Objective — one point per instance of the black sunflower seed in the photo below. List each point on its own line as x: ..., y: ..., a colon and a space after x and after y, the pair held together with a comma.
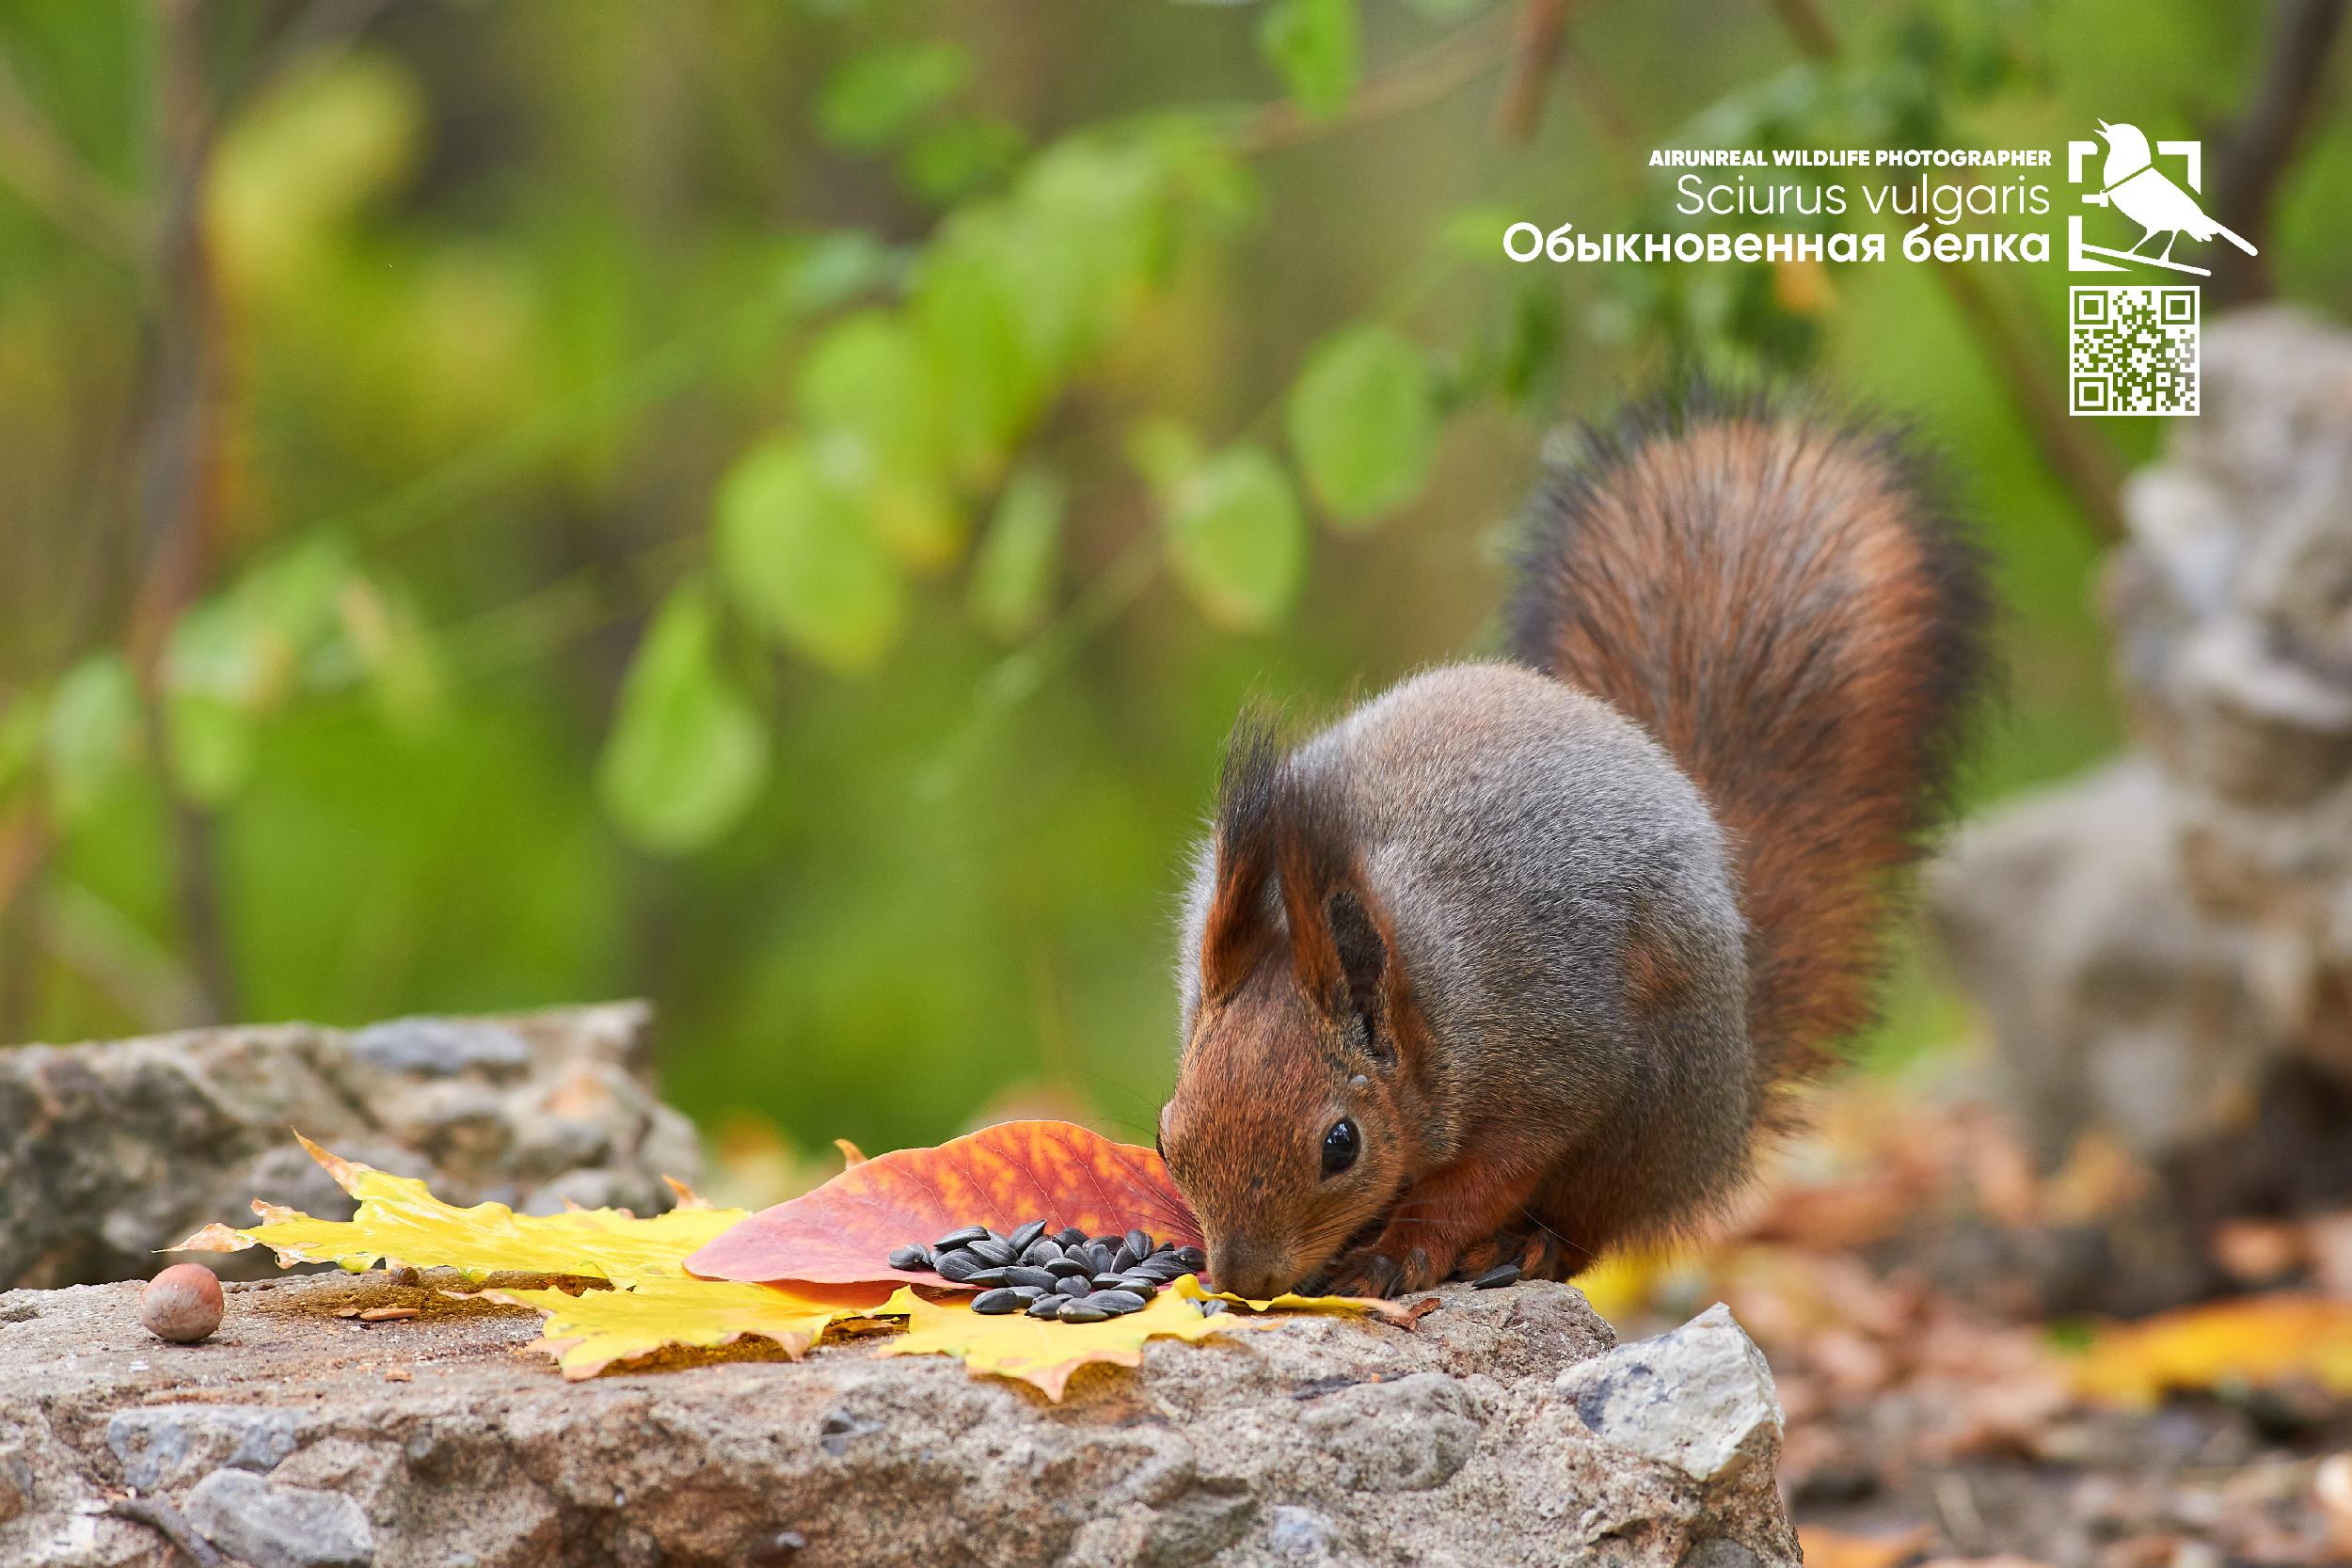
x: 1192, y: 1258
x: 1099, y: 1255
x: 1211, y: 1308
x: 1029, y: 1292
x: 1124, y: 1257
x: 1160, y: 1267
x: 911, y: 1258
x: 1139, y: 1242
x: 1076, y: 1312
x: 1117, y: 1301
x: 958, y: 1265
x: 1027, y: 1233
x: 1040, y: 1252
x: 1141, y: 1284
x: 1109, y: 1279
x: 995, y: 1249
x: 965, y: 1237
x: 1070, y: 1238
x: 1070, y: 1266
x: 999, y: 1303
x: 1496, y: 1278
x: 1022, y: 1274
x: 1046, y: 1306
x: 1075, y: 1286
x: 996, y: 1274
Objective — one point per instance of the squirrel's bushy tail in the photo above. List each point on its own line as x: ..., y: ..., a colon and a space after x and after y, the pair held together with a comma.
x: 1781, y: 603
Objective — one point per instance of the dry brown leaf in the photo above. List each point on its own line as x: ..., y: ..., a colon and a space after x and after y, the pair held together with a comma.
x: 1830, y: 1548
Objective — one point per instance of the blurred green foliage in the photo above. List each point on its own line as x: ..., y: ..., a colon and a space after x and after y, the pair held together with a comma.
x: 771, y: 505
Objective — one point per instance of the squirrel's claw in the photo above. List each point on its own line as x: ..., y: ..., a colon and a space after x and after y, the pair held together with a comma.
x: 1539, y: 1254
x: 1374, y: 1272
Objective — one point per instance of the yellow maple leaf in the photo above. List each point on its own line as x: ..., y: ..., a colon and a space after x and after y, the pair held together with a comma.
x: 2258, y: 1340
x: 656, y: 1305
x: 592, y: 1331
x: 1404, y: 1314
x: 1041, y: 1354
x: 399, y: 1221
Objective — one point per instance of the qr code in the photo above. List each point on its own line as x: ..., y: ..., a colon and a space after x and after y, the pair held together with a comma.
x: 2132, y: 351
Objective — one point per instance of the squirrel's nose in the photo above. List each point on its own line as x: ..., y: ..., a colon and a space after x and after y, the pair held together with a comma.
x: 1255, y: 1273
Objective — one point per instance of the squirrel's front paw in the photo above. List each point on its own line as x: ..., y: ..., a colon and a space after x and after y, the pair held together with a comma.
x: 1375, y: 1271
x: 1539, y: 1254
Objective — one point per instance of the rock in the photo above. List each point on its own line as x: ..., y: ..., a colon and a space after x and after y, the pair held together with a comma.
x: 120, y: 1147
x: 2165, y: 947
x: 2116, y: 1002
x: 1314, y: 1441
x: 2229, y: 837
x: 1699, y: 1399
x: 279, y: 1527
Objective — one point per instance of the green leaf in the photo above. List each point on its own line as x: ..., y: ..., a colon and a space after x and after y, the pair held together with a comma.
x: 1314, y: 44
x: 211, y: 742
x: 688, y: 754
x: 803, y: 564
x: 92, y: 736
x: 1364, y: 420
x: 833, y: 268
x: 1236, y: 539
x: 949, y: 162
x: 1012, y: 579
x: 867, y: 394
x: 878, y: 96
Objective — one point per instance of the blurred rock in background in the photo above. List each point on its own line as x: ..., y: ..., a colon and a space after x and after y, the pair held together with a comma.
x: 116, y: 1149
x: 2165, y: 948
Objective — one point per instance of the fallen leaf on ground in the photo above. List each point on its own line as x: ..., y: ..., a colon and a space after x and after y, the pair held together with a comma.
x: 1040, y: 1353
x: 595, y: 1329
x: 399, y: 1221
x: 2257, y: 1339
x: 1824, y: 1547
x: 1404, y: 1314
x: 1001, y: 1177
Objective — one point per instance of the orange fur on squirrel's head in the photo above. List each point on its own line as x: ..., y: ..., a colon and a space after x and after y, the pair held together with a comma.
x: 1292, y: 1129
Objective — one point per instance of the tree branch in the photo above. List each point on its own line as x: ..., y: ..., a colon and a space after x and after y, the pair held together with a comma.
x: 2251, y: 159
x: 181, y: 492
x: 1535, y: 50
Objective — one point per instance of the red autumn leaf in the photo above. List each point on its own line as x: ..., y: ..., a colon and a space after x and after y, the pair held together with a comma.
x: 1002, y: 1177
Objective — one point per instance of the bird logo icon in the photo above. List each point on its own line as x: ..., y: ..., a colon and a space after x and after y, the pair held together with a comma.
x: 2131, y: 182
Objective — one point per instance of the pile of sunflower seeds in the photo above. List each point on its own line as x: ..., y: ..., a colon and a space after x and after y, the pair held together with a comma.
x: 1065, y: 1274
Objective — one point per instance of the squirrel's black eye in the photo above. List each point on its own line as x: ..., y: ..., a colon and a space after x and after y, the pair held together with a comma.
x: 1339, y: 1147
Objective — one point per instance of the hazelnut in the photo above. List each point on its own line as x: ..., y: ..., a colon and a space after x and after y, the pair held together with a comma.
x: 181, y: 1303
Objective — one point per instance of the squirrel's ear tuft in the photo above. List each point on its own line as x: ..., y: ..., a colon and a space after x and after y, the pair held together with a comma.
x: 1236, y: 928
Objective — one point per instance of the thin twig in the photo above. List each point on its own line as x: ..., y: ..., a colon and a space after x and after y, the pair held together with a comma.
x: 2251, y: 159
x: 183, y: 493
x: 1535, y: 47
x: 1452, y: 62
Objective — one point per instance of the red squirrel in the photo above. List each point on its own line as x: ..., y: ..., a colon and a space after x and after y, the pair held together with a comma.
x: 1517, y: 961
